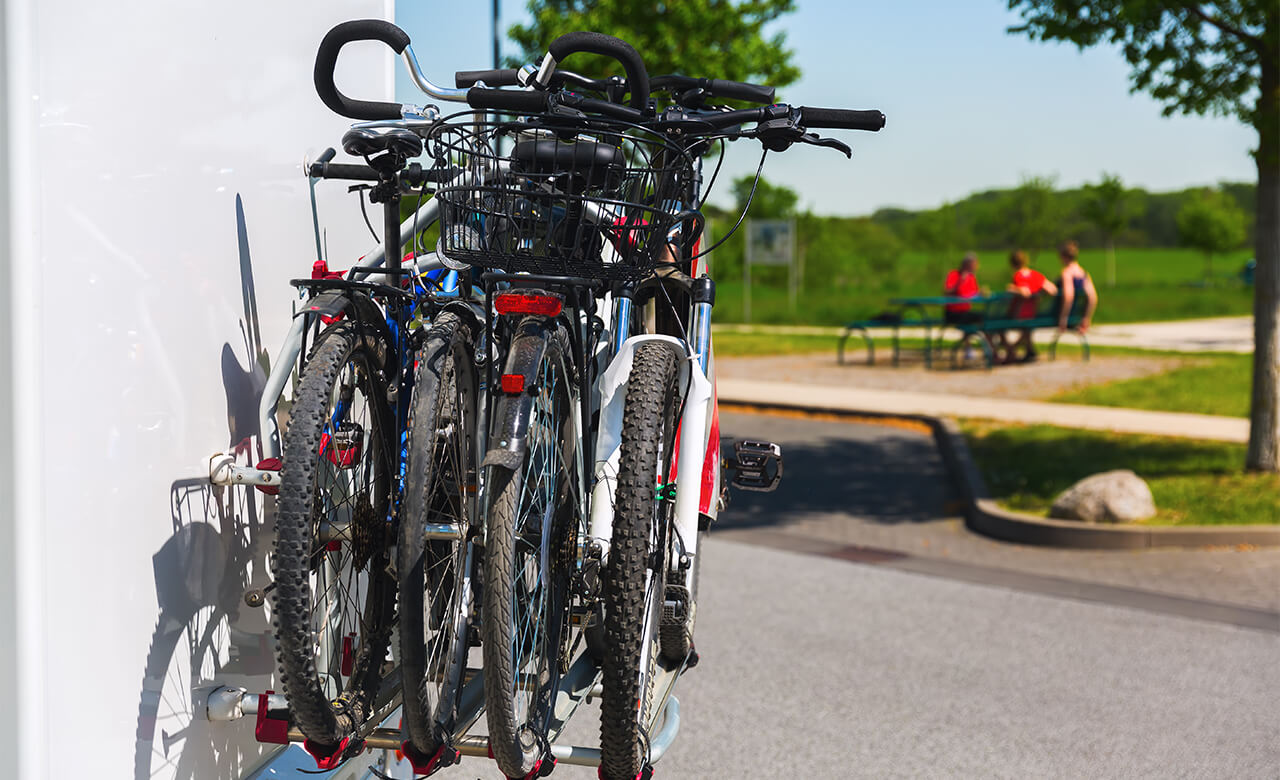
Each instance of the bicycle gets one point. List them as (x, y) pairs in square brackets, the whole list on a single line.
[(569, 222)]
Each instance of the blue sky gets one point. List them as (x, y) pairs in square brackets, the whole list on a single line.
[(969, 107)]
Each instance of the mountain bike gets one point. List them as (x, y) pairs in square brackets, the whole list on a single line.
[(601, 208)]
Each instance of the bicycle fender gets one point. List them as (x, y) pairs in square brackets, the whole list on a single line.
[(327, 304), (512, 412)]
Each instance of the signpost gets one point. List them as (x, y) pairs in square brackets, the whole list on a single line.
[(770, 242)]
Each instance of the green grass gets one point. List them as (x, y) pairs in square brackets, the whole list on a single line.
[(1152, 284), (1219, 384), (1193, 482), (731, 344)]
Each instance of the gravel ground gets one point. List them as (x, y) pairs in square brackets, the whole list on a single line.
[(1032, 381)]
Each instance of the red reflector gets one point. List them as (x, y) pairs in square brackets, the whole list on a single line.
[(512, 383), (269, 464), (348, 654), (527, 303)]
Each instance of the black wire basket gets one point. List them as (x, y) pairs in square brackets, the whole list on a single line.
[(561, 197)]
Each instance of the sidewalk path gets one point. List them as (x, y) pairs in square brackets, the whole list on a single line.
[(1215, 334), (1101, 418)]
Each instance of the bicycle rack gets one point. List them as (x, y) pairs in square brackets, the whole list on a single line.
[(579, 685)]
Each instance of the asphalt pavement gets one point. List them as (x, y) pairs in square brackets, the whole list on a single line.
[(850, 627)]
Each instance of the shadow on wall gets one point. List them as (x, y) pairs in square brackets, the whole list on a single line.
[(205, 634)]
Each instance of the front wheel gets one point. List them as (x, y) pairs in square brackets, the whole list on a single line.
[(635, 575), (435, 573), (333, 601)]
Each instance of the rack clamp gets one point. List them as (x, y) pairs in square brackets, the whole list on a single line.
[(445, 756), (223, 470), (330, 757)]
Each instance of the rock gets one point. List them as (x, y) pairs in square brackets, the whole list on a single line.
[(1110, 497)]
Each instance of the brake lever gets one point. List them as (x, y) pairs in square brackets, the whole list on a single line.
[(830, 143)]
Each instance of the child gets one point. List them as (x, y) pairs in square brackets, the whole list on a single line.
[(1027, 284)]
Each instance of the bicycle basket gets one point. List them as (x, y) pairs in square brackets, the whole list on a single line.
[(587, 199)]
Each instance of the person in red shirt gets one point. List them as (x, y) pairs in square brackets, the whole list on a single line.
[(1027, 284), (962, 282)]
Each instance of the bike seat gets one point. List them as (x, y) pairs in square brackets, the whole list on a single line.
[(594, 163), (366, 142)]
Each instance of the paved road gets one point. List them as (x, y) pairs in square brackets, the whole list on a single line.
[(850, 629)]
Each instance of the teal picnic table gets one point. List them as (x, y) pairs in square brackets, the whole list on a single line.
[(915, 313), (980, 333)]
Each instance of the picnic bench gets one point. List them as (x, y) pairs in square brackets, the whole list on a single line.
[(982, 333)]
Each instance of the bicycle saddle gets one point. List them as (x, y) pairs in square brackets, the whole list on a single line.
[(595, 163), (366, 142)]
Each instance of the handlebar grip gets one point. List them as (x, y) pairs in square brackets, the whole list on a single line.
[(740, 90), (326, 155), (506, 77), (323, 169), (516, 100), (327, 60), (609, 46), (841, 118)]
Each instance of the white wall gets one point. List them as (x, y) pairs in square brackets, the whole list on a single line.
[(156, 210)]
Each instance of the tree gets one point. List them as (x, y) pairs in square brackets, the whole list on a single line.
[(771, 201), (939, 234), (1218, 57), (707, 38), (1031, 214), (1212, 223), (1108, 205)]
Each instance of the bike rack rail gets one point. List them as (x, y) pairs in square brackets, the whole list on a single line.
[(578, 686)]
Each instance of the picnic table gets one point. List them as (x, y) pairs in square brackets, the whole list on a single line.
[(914, 312)]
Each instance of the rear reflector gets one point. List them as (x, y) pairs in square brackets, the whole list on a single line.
[(527, 303), (513, 383)]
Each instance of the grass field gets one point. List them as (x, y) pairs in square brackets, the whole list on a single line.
[(1193, 482), (1152, 284), (1218, 384)]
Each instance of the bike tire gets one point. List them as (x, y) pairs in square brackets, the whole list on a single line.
[(331, 663), (633, 577), (523, 620), (434, 575)]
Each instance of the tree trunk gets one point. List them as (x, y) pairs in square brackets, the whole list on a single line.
[(1264, 413)]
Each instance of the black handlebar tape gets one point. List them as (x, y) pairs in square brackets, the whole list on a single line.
[(516, 100), (327, 59), (609, 46), (330, 170), (740, 90), (841, 118), (507, 77)]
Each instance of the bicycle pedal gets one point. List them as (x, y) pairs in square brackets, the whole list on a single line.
[(756, 465)]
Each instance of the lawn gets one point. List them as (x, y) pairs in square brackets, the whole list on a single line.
[(1193, 482), (1152, 284), (1218, 384)]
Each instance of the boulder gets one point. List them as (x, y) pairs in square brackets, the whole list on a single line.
[(1110, 497)]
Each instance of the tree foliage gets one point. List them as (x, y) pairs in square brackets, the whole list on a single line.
[(1194, 57), (707, 38), (1211, 223), (1031, 214), (1108, 206), (771, 201)]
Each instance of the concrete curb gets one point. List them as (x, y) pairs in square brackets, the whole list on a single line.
[(984, 516)]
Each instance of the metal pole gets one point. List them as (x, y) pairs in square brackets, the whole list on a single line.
[(497, 57), (746, 278)]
